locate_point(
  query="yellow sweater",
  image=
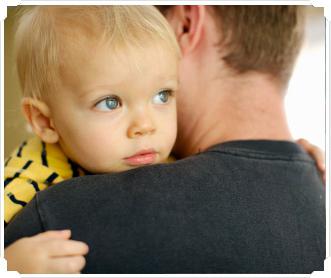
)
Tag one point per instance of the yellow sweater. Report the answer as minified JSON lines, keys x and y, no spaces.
{"x":33,"y":167}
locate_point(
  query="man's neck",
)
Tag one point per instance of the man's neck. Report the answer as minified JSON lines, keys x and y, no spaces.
{"x":248,"y":108}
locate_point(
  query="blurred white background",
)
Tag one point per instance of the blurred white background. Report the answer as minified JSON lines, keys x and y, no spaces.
{"x":305,"y":101}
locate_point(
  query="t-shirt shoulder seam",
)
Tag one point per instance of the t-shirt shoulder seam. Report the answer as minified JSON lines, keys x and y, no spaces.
{"x":42,"y":218}
{"x":263,"y":155}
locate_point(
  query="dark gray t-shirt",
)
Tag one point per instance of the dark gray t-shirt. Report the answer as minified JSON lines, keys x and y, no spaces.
{"x":239,"y":207}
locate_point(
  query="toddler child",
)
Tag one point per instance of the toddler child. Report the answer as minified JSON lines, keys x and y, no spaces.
{"x":99,"y":87}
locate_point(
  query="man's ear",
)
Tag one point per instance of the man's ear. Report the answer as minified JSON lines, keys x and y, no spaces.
{"x":187,"y":22}
{"x":38,"y":115}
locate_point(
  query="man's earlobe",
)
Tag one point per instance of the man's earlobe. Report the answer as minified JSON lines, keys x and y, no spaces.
{"x":38,"y":115}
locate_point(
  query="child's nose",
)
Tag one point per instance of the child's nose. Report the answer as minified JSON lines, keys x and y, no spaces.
{"x":142,"y":124}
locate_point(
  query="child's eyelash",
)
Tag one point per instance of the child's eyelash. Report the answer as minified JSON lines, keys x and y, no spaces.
{"x":171,"y":92}
{"x":109,"y":97}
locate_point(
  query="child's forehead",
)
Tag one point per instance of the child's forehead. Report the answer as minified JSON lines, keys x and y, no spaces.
{"x":98,"y":64}
{"x":86,"y":51}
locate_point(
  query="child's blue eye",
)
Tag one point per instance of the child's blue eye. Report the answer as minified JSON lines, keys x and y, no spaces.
{"x":162,"y":97}
{"x":109,"y":103}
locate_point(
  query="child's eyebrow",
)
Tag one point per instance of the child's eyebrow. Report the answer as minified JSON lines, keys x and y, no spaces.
{"x":173,"y":79}
{"x":165,"y":81}
{"x":171,"y":82}
{"x":97,"y":88}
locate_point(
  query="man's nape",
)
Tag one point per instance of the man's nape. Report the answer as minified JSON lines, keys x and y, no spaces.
{"x":243,"y":93}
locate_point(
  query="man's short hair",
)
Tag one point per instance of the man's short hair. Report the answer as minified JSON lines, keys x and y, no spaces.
{"x":265,"y":39}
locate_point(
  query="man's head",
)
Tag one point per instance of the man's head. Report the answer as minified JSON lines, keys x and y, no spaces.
{"x":227,"y":52}
{"x":265,"y":39}
{"x":100,"y":81}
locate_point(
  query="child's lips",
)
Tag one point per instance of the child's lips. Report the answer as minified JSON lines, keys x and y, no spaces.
{"x":141,"y":158}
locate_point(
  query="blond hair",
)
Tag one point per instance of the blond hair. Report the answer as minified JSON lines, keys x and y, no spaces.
{"x":45,"y":32}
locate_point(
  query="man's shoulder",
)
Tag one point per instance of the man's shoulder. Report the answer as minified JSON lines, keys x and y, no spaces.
{"x":217,"y":167}
{"x":263,"y":149}
{"x":152,"y":174}
{"x":214,"y":160}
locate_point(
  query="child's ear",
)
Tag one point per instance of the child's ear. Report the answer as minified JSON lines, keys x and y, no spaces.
{"x":37,"y":113}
